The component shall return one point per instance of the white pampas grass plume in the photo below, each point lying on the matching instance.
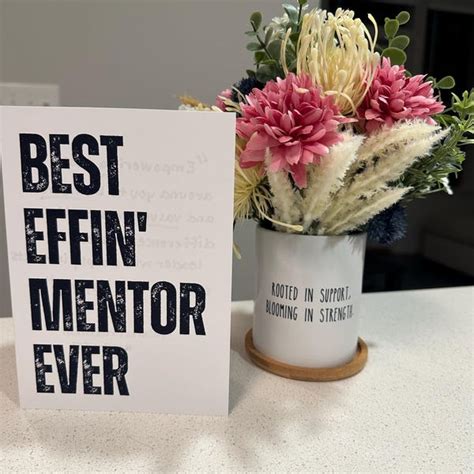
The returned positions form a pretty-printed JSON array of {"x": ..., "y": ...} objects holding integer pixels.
[
  {"x": 326, "y": 177},
  {"x": 382, "y": 160},
  {"x": 388, "y": 164},
  {"x": 286, "y": 202},
  {"x": 388, "y": 140},
  {"x": 364, "y": 209}
]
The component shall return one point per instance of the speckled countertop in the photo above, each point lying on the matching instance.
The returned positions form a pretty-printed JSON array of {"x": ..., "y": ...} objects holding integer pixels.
[{"x": 409, "y": 410}]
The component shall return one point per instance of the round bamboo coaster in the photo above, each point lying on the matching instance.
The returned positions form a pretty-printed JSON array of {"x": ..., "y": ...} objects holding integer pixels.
[{"x": 304, "y": 373}]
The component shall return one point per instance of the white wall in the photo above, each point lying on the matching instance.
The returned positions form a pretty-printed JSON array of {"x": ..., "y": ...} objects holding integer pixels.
[
  {"x": 127, "y": 53},
  {"x": 132, "y": 53}
]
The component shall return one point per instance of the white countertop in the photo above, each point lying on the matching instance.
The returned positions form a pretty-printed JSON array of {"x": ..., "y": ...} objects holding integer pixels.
[{"x": 410, "y": 409}]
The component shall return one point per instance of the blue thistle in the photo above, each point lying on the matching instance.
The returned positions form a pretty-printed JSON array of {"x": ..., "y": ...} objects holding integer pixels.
[
  {"x": 388, "y": 226},
  {"x": 245, "y": 86}
]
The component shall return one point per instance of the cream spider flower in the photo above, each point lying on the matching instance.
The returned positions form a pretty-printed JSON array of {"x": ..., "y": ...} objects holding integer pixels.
[
  {"x": 338, "y": 52},
  {"x": 251, "y": 199}
]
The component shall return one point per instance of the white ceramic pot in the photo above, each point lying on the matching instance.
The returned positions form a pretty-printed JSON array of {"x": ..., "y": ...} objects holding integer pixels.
[{"x": 308, "y": 294}]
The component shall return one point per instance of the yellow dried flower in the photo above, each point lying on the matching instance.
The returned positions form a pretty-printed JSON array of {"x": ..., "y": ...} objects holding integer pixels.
[
  {"x": 338, "y": 52},
  {"x": 190, "y": 103}
]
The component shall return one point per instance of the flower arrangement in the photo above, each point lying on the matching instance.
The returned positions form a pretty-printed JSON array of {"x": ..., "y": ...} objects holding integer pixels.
[{"x": 334, "y": 135}]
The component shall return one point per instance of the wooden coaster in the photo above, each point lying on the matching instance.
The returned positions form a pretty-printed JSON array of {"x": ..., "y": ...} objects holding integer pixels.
[{"x": 304, "y": 373}]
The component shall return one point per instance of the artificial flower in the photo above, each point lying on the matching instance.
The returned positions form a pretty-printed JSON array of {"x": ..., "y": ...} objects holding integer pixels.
[
  {"x": 225, "y": 94},
  {"x": 191, "y": 104},
  {"x": 244, "y": 87},
  {"x": 327, "y": 177},
  {"x": 250, "y": 194},
  {"x": 280, "y": 24},
  {"x": 252, "y": 197},
  {"x": 288, "y": 125},
  {"x": 296, "y": 168},
  {"x": 388, "y": 226},
  {"x": 394, "y": 96},
  {"x": 338, "y": 53},
  {"x": 381, "y": 161}
]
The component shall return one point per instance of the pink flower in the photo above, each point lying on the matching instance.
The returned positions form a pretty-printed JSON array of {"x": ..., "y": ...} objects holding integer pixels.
[
  {"x": 393, "y": 96},
  {"x": 227, "y": 93},
  {"x": 291, "y": 120}
]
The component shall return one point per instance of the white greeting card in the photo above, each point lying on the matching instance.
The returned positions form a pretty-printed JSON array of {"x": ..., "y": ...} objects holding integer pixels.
[{"x": 119, "y": 231}]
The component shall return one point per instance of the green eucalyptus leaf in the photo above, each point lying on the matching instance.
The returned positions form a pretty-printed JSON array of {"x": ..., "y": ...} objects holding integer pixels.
[
  {"x": 268, "y": 35},
  {"x": 397, "y": 56},
  {"x": 403, "y": 17},
  {"x": 259, "y": 56},
  {"x": 447, "y": 82},
  {"x": 274, "y": 49},
  {"x": 291, "y": 11},
  {"x": 401, "y": 42},
  {"x": 256, "y": 20},
  {"x": 251, "y": 33},
  {"x": 265, "y": 73},
  {"x": 250, "y": 72},
  {"x": 391, "y": 28},
  {"x": 254, "y": 47},
  {"x": 268, "y": 61},
  {"x": 302, "y": 2}
]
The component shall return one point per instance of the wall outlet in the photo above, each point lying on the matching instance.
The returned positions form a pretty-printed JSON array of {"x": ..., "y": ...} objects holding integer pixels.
[{"x": 29, "y": 94}]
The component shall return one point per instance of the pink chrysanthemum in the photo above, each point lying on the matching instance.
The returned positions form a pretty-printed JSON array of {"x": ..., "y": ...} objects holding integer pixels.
[
  {"x": 291, "y": 120},
  {"x": 393, "y": 96},
  {"x": 226, "y": 93}
]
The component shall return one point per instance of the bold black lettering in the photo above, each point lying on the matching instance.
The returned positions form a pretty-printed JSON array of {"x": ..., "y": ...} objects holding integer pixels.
[
  {"x": 125, "y": 239},
  {"x": 195, "y": 312},
  {"x": 96, "y": 237},
  {"x": 112, "y": 142},
  {"x": 138, "y": 287},
  {"x": 54, "y": 236},
  {"x": 32, "y": 235},
  {"x": 118, "y": 373},
  {"x": 39, "y": 298},
  {"x": 68, "y": 384},
  {"x": 41, "y": 368},
  {"x": 75, "y": 234},
  {"x": 40, "y": 304},
  {"x": 86, "y": 164},
  {"x": 62, "y": 303},
  {"x": 82, "y": 305},
  {"x": 57, "y": 163},
  {"x": 107, "y": 303},
  {"x": 88, "y": 370},
  {"x": 156, "y": 313},
  {"x": 28, "y": 163}
]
